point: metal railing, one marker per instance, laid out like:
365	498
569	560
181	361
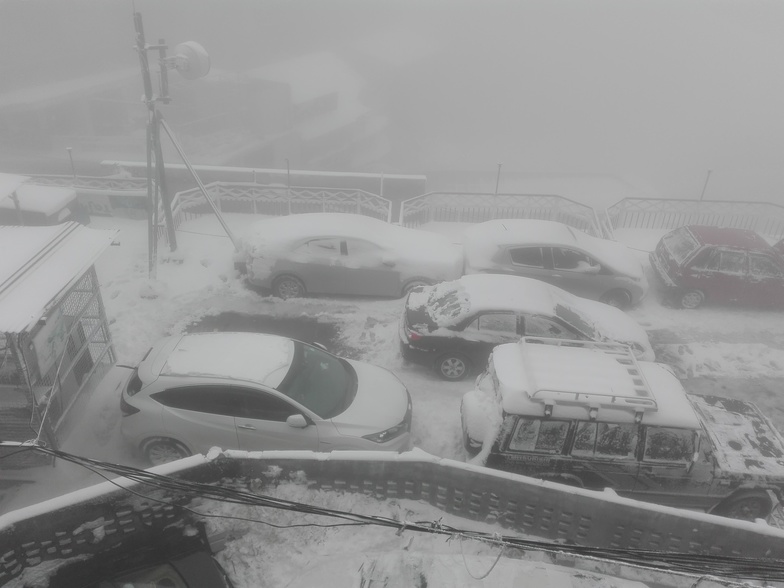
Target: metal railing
472	207
100	183
102	194
251	198
659	213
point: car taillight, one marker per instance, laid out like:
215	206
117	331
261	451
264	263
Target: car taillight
412	335
126	408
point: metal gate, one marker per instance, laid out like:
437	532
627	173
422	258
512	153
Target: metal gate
70	350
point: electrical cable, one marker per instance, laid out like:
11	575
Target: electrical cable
719	565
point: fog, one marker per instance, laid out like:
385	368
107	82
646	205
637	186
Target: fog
654	92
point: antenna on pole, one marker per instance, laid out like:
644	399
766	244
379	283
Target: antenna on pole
192	62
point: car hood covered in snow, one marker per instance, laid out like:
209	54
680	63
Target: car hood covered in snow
745	442
381	402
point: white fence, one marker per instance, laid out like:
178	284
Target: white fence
253	198
649	213
468	207
127	196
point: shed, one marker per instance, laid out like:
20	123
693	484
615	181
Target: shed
54	336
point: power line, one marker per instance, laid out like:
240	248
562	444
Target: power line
727	566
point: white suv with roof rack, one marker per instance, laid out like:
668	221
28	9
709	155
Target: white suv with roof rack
589	414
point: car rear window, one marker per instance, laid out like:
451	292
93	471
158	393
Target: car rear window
680	244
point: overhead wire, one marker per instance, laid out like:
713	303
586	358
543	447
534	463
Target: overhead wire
692	563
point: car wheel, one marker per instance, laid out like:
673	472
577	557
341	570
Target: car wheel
414	284
288	287
453	366
161	450
692	299
746	506
616	298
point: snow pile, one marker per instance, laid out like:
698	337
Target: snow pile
750	360
446	303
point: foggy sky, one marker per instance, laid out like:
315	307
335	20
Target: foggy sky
654	91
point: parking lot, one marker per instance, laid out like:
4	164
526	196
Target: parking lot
723	351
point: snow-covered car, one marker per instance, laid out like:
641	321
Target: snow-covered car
335	253
453	326
590	415
255	391
554	252
724	265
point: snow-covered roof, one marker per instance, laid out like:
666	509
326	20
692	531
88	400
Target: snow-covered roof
281	232
483	239
575	379
255	357
38	263
521	231
44	199
9	183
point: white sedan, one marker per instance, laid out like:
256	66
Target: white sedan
256	391
335	253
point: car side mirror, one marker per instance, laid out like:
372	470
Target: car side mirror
694	459
389	260
587	268
297	421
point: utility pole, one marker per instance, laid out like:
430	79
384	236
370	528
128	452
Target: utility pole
192	62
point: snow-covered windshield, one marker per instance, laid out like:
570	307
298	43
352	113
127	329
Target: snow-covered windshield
319	381
680	244
574	318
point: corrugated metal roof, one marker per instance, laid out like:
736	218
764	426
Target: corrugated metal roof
38	263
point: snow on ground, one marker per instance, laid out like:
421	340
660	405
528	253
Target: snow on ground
199	280
725	350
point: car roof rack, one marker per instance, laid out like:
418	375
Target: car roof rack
610	378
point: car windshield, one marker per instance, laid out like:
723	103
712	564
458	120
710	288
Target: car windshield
576	320
680	244
319	381
566	311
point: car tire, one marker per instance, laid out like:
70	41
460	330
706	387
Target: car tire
414	284
617	298
453	366
747	506
162	450
691	299
288	287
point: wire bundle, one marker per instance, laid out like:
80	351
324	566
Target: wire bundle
725	566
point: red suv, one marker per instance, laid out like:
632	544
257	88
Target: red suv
697	263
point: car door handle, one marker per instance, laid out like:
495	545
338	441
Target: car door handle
556	275
251	427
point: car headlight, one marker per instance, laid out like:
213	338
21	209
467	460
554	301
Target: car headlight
389	434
